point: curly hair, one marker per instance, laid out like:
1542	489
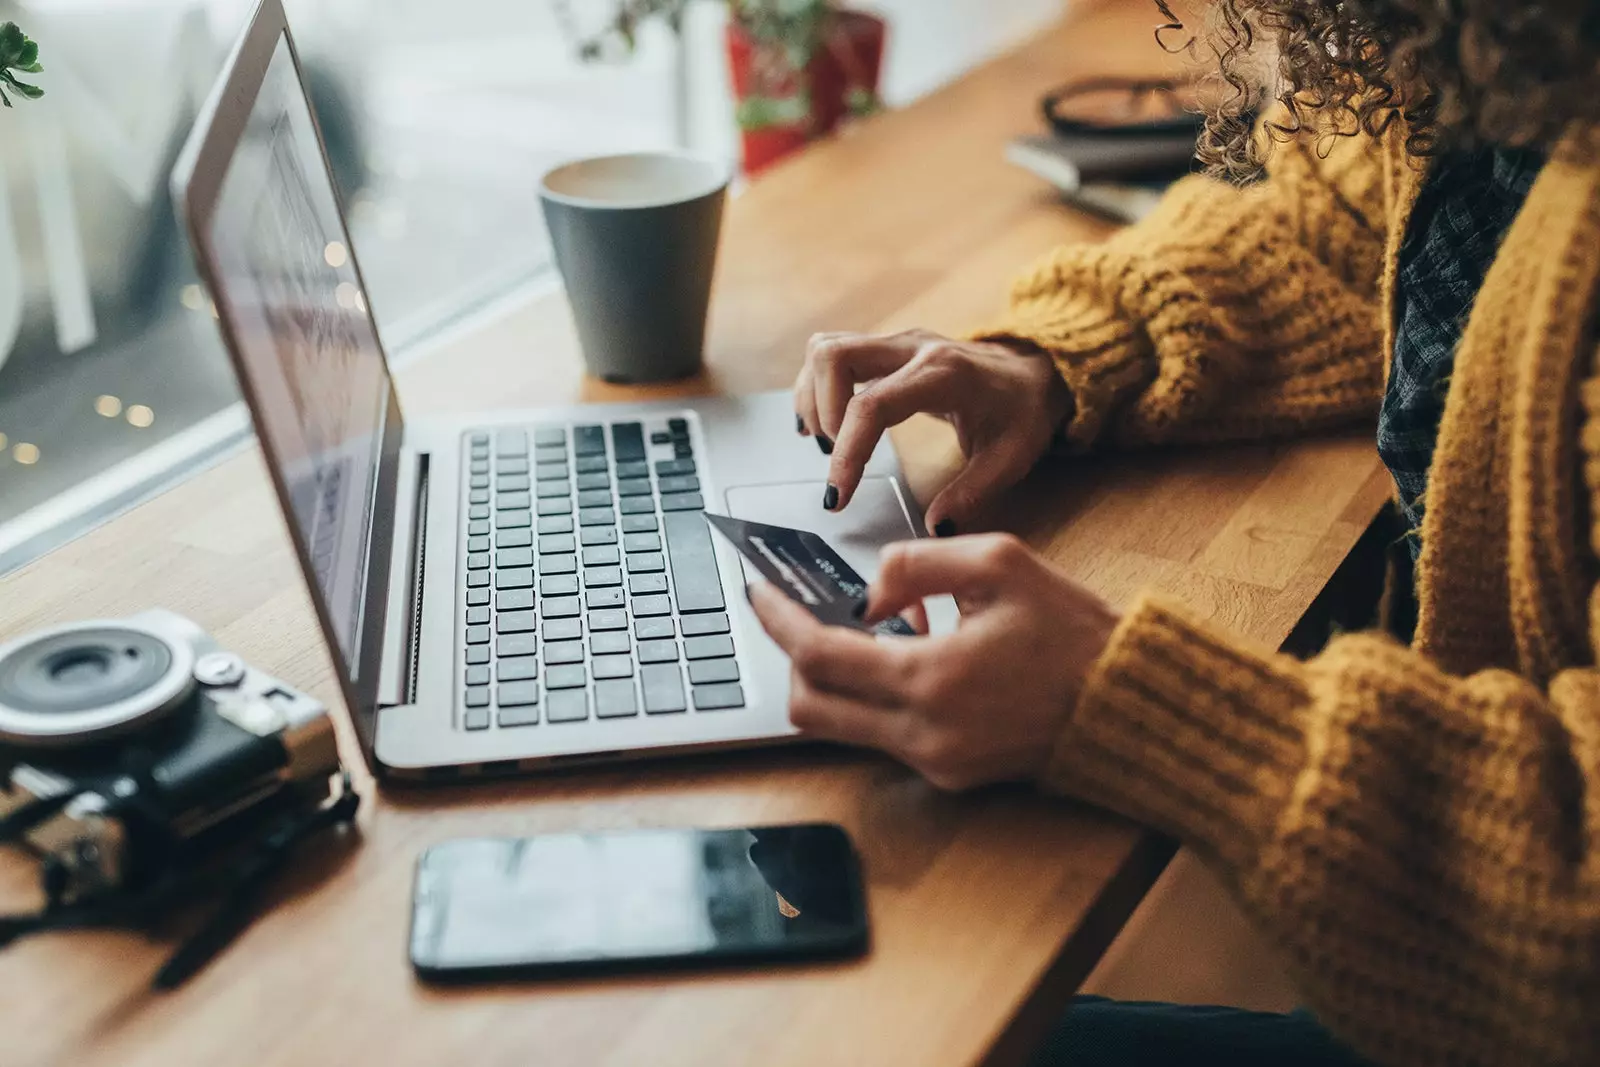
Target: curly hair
1459	73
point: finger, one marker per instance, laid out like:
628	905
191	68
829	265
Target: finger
916	387
805	401
840	362
917	615
828	716
831	658
972	569
987	474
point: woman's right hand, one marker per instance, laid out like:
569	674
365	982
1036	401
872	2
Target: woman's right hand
1005	405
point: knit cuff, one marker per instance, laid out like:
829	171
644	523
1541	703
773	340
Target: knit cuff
1186	732
1102	356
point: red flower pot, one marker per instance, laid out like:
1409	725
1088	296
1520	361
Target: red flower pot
849	59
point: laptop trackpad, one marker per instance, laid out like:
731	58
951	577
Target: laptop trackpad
876	517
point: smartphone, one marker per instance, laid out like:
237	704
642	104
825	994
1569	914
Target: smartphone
564	903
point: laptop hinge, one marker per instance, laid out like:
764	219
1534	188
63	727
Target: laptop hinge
398	678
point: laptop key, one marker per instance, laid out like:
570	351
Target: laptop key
516	622
515	718
720	647
607	619
513	557
589	440
550	454
479	440
594	480
520	669
627	439
658	651
559	652
554	524
477	697
646	563
513	520
694	563
718	697
478	561
477	616
713	671
634	487
514	502
661	437
479	481
550	472
478	544
513	483
509	465
476	718
645	607
477	635
636	469
679	427
638	524
478	512
603	667
511	443
615	699
642	542
478	496
670	468
514	600
478	675
704	625
557	543
478	655
570	705
610	643
479	466
513	538
514	645
566	676
564	563
559	585
602	577
601	556
682	449
517	694
517	579
663	689
656	629
555	506
594	498
646	584
552	490
564	607
604	598
477	598
563	629
686	483
683	502
595	536
597	517
591	464
549	435
477	579
478	528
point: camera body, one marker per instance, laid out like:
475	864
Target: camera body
132	749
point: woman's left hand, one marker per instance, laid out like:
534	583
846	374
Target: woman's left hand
984	704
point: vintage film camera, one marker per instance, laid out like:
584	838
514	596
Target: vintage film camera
140	763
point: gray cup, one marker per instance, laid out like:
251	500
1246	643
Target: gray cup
635	237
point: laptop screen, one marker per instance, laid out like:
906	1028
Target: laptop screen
307	348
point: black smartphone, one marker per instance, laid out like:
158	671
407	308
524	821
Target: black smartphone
564	903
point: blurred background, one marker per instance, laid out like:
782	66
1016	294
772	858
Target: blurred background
439	119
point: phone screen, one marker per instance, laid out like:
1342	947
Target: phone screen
575	901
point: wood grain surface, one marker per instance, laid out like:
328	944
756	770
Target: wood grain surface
987	910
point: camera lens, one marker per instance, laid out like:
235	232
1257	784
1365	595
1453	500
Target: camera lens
85	680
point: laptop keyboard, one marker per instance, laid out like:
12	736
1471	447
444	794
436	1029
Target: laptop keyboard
591	585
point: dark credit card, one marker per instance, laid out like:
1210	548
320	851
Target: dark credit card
807	568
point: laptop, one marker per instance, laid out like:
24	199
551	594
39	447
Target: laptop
505	592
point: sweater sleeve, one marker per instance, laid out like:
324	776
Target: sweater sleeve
1425	847
1229	313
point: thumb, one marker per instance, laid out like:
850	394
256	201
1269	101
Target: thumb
986	475
972	569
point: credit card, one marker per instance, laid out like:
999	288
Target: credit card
807	569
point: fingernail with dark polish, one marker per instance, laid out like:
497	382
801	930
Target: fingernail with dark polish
800	425
825	444
947	528
860	610
830	498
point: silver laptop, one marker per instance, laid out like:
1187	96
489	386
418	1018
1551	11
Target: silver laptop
512	590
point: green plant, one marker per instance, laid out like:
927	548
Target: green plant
18	55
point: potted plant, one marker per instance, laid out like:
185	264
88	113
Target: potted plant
18	55
799	67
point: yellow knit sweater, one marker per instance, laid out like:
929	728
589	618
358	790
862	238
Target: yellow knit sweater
1418	828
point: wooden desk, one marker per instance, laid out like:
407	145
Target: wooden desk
987	910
